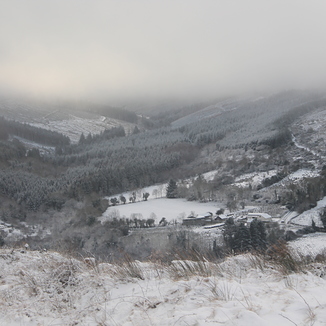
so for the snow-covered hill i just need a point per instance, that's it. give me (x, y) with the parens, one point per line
(47, 288)
(306, 218)
(68, 118)
(74, 126)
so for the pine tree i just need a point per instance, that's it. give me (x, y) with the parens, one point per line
(254, 234)
(322, 215)
(262, 235)
(258, 235)
(82, 139)
(171, 190)
(242, 239)
(229, 232)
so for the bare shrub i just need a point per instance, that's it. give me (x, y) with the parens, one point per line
(257, 260)
(192, 263)
(285, 259)
(129, 268)
(222, 290)
(65, 273)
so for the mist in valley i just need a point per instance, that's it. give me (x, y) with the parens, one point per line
(140, 52)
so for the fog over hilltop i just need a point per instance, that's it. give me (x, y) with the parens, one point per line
(153, 49)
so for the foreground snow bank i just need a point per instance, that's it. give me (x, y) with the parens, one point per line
(51, 289)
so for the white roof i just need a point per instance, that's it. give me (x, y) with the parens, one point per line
(264, 215)
(212, 226)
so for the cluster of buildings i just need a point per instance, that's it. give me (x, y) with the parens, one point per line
(209, 220)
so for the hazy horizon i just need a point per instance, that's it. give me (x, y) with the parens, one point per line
(153, 49)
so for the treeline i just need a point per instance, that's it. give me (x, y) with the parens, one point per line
(112, 162)
(26, 131)
(165, 118)
(117, 113)
(107, 134)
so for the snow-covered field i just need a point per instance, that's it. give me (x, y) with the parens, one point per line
(171, 209)
(46, 288)
(158, 206)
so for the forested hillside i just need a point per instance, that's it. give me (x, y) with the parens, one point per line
(112, 162)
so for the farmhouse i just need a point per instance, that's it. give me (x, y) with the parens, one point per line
(264, 217)
(200, 220)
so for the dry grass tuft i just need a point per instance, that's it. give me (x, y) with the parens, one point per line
(129, 269)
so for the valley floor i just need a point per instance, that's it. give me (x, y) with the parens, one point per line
(48, 288)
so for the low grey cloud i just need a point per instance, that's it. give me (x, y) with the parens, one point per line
(148, 48)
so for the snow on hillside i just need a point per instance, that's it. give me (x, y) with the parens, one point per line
(209, 176)
(43, 149)
(301, 174)
(253, 179)
(311, 131)
(306, 218)
(50, 289)
(310, 244)
(256, 178)
(75, 126)
(208, 112)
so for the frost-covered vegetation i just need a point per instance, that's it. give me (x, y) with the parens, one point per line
(46, 288)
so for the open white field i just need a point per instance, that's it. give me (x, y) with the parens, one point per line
(171, 209)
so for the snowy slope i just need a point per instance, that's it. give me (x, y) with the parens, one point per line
(310, 244)
(306, 218)
(75, 126)
(51, 289)
(254, 178)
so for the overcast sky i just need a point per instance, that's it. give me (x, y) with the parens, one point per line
(120, 48)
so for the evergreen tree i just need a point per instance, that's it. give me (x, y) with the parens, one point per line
(254, 234)
(322, 215)
(229, 233)
(82, 139)
(242, 239)
(313, 226)
(262, 235)
(258, 235)
(171, 190)
(136, 131)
